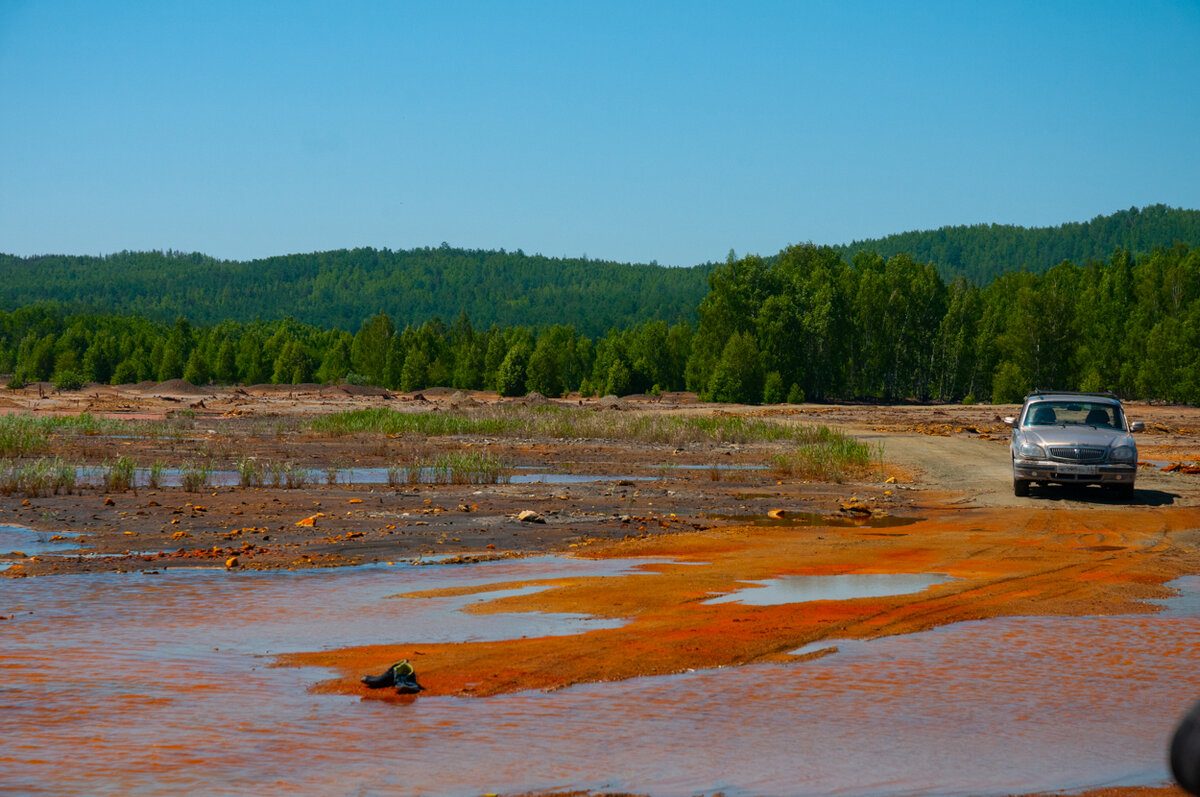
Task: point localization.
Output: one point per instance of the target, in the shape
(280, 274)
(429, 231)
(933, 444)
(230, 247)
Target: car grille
(1078, 454)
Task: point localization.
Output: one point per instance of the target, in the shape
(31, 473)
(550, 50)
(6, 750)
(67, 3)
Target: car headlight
(1123, 454)
(1031, 451)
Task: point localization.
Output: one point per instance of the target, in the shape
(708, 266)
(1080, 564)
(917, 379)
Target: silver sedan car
(1073, 438)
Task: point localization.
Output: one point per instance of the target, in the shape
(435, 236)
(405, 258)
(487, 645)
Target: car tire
(1020, 488)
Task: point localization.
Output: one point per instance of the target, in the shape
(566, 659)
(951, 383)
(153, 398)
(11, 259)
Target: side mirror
(1137, 426)
(1010, 421)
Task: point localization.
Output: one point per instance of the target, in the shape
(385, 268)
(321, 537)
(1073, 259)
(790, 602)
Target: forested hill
(340, 289)
(983, 252)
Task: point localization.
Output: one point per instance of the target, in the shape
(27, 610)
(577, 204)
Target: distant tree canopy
(804, 325)
(983, 252)
(338, 289)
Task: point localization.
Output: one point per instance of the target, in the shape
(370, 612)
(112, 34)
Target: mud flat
(1044, 617)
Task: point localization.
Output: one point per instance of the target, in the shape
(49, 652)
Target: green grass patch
(120, 475)
(555, 422)
(824, 454)
(36, 477)
(470, 467)
(196, 476)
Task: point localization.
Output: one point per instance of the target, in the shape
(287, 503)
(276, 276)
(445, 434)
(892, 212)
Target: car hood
(1083, 436)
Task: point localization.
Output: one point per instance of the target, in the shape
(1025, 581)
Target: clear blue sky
(631, 131)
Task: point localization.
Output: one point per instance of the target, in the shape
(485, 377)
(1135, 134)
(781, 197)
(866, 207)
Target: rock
(109, 502)
(776, 514)
(529, 516)
(231, 562)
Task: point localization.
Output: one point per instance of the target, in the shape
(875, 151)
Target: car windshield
(1102, 415)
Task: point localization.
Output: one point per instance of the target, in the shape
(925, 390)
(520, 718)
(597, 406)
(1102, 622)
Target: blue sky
(630, 131)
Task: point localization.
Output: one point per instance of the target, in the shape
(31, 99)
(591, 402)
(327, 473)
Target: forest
(983, 252)
(804, 324)
(338, 289)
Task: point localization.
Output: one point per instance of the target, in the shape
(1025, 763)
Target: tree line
(982, 252)
(338, 289)
(805, 324)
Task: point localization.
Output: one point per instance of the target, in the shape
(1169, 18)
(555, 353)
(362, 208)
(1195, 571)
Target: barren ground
(940, 502)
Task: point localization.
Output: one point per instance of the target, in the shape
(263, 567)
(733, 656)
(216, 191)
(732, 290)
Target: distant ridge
(982, 252)
(340, 289)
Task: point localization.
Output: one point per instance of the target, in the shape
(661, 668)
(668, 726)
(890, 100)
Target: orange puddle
(1009, 562)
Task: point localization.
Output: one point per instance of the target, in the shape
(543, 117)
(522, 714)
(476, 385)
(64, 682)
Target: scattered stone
(529, 516)
(109, 502)
(231, 562)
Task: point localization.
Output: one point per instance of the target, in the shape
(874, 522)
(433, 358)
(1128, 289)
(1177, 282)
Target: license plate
(1078, 470)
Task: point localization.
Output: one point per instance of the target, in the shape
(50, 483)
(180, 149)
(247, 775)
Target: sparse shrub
(196, 476)
(826, 455)
(64, 477)
(250, 472)
(119, 476)
(968, 399)
(295, 476)
(155, 474)
(16, 381)
(68, 380)
(795, 394)
(36, 478)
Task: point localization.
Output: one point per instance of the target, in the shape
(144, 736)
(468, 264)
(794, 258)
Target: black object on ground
(400, 675)
(1185, 751)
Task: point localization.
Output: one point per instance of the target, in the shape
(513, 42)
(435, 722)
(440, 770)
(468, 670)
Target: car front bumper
(1072, 473)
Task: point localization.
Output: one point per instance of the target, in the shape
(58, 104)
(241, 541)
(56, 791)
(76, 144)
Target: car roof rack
(1105, 394)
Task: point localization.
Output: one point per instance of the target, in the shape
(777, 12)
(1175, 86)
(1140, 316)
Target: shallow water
(173, 477)
(31, 542)
(801, 589)
(119, 684)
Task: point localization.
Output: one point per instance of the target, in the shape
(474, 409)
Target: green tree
(738, 376)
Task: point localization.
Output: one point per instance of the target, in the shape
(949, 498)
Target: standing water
(144, 684)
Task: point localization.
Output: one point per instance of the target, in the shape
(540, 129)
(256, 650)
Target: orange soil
(1009, 561)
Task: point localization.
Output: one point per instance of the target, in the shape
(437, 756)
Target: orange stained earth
(1004, 562)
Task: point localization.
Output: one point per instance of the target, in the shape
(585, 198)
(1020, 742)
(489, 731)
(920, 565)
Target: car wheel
(1020, 488)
